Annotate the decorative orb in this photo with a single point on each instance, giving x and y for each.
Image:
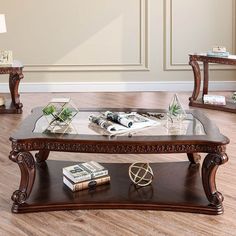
(141, 174)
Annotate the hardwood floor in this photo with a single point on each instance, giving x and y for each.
(115, 222)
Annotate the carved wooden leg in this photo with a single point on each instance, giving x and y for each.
(194, 158)
(209, 168)
(206, 78)
(27, 167)
(14, 80)
(42, 156)
(197, 80)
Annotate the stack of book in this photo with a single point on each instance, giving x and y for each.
(218, 52)
(85, 175)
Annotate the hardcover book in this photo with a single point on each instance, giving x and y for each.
(218, 54)
(86, 184)
(84, 171)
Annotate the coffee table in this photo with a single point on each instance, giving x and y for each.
(186, 186)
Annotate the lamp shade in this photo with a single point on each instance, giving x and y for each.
(3, 27)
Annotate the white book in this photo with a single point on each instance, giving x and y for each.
(84, 171)
(214, 99)
(2, 101)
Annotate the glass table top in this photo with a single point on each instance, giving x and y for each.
(158, 125)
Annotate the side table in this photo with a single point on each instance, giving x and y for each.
(193, 61)
(15, 75)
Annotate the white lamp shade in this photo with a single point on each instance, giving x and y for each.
(3, 28)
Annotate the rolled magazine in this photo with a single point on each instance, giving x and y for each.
(102, 122)
(116, 117)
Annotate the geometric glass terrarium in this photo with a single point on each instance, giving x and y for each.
(176, 111)
(175, 116)
(59, 113)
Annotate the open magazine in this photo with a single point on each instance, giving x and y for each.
(121, 122)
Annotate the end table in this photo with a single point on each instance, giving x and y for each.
(15, 75)
(193, 61)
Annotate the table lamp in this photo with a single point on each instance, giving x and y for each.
(3, 29)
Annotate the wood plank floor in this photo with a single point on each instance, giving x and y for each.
(115, 222)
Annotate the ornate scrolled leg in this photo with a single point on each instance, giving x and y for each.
(206, 78)
(14, 81)
(42, 156)
(197, 80)
(194, 158)
(27, 167)
(209, 168)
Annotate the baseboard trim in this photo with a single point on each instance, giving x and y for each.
(117, 86)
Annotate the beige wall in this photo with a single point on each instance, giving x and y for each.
(116, 41)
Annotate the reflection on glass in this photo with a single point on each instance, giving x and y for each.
(42, 126)
(82, 126)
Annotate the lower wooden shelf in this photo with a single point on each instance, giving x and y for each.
(176, 186)
(9, 108)
(229, 107)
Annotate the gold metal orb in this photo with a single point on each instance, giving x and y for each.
(141, 174)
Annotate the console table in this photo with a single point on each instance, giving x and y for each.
(193, 61)
(15, 75)
(177, 186)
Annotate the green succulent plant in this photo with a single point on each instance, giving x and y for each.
(49, 110)
(65, 115)
(174, 109)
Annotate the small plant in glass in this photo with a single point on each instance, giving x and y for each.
(59, 112)
(234, 97)
(175, 110)
(175, 116)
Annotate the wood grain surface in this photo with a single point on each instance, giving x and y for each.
(115, 222)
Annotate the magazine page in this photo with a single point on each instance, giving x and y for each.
(121, 122)
(102, 122)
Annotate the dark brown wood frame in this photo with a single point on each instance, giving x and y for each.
(15, 75)
(207, 200)
(194, 101)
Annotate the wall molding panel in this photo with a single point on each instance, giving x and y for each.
(138, 44)
(169, 63)
(141, 66)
